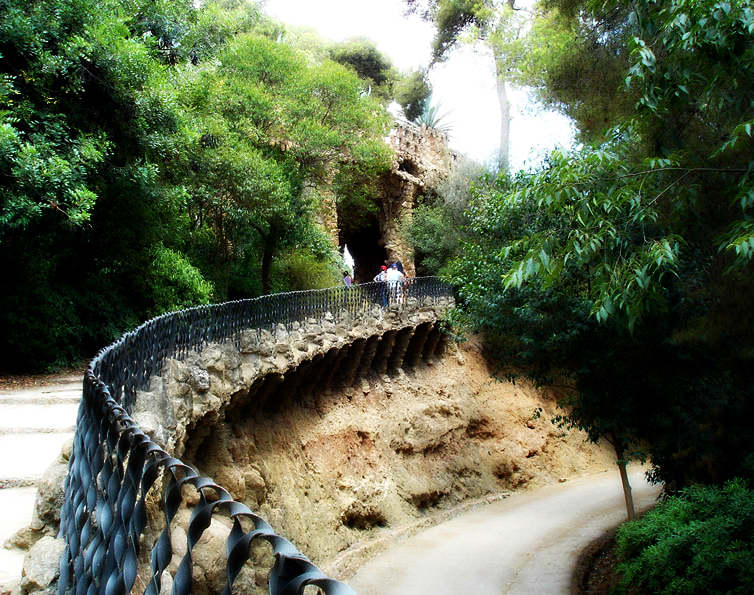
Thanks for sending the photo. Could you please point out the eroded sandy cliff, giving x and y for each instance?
(337, 472)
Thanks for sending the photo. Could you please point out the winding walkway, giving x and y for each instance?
(525, 544)
(34, 424)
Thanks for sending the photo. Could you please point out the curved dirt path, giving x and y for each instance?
(526, 544)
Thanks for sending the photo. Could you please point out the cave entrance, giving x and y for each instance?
(367, 248)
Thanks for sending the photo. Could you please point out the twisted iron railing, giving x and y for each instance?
(114, 468)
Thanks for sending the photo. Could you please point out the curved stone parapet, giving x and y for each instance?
(312, 356)
(135, 516)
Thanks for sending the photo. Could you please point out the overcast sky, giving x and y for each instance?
(465, 84)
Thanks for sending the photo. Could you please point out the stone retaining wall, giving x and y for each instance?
(336, 352)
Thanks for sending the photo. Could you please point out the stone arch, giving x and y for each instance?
(420, 157)
(367, 247)
(409, 166)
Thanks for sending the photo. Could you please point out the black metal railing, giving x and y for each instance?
(115, 470)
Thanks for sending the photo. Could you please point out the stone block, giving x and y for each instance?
(42, 564)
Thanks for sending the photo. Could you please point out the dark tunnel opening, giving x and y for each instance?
(366, 246)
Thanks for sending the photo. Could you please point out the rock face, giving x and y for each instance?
(422, 157)
(333, 466)
(50, 495)
(286, 364)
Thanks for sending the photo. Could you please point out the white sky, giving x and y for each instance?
(465, 84)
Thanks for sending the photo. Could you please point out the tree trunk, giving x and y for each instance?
(626, 489)
(505, 113)
(269, 249)
(620, 460)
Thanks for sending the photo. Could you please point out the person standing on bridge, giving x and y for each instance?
(381, 278)
(395, 283)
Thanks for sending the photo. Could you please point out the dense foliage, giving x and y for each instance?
(160, 155)
(698, 543)
(436, 226)
(575, 62)
(621, 272)
(363, 57)
(411, 93)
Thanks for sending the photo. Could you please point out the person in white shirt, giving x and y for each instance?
(395, 282)
(381, 278)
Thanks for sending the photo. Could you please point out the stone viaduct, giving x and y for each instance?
(134, 512)
(421, 157)
(336, 350)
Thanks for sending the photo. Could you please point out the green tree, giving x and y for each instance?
(609, 265)
(46, 160)
(545, 331)
(411, 92)
(272, 123)
(374, 67)
(409, 89)
(90, 131)
(684, 96)
(574, 57)
(494, 23)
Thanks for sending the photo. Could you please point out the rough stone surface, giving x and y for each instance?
(50, 496)
(42, 565)
(332, 471)
(421, 156)
(202, 386)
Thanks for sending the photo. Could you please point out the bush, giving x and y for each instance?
(57, 307)
(299, 271)
(436, 226)
(177, 284)
(698, 542)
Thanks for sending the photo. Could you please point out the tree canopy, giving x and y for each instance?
(621, 272)
(163, 155)
(361, 55)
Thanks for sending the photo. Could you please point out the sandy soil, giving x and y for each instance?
(337, 472)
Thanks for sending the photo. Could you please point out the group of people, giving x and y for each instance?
(392, 277)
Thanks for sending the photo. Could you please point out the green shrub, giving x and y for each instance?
(177, 283)
(300, 271)
(57, 307)
(700, 542)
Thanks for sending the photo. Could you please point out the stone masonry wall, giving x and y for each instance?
(334, 353)
(421, 157)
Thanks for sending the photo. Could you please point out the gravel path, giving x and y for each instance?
(35, 422)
